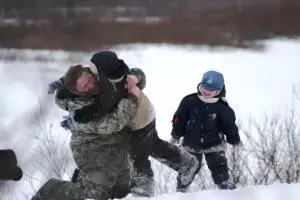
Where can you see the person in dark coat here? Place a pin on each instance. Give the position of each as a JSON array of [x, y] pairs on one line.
[[206, 122], [9, 169]]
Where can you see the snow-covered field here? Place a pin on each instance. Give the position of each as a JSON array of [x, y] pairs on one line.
[[257, 82], [273, 192]]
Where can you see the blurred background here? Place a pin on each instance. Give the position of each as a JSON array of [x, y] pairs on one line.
[[89, 24]]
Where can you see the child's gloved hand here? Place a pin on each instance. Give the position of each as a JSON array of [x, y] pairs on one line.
[[68, 122], [53, 86]]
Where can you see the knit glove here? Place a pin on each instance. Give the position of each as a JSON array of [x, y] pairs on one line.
[[53, 86], [68, 123]]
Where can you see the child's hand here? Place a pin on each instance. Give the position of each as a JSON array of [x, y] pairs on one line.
[[67, 123], [131, 82], [135, 90]]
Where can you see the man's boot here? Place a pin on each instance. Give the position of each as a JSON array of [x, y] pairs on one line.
[[188, 169], [143, 186]]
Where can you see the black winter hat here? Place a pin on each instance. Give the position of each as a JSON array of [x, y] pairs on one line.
[[108, 63]]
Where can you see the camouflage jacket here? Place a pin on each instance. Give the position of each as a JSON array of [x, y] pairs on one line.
[[107, 130]]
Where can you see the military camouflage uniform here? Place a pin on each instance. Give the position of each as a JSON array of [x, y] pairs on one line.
[[145, 140], [100, 149]]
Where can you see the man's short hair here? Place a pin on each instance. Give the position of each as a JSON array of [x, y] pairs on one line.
[[71, 77]]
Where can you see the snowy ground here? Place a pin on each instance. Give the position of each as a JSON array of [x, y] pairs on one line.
[[257, 82], [273, 192]]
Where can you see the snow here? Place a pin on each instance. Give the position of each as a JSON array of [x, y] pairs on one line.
[[257, 82], [273, 192]]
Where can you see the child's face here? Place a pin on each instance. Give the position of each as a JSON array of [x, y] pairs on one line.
[[207, 93]]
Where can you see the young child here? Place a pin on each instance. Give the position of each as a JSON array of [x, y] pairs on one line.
[[206, 122]]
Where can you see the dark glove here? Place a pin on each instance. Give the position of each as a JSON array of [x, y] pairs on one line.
[[53, 86], [68, 122]]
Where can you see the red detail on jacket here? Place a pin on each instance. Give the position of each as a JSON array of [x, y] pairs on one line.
[[175, 120]]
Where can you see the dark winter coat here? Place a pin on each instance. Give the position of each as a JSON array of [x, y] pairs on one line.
[[204, 125]]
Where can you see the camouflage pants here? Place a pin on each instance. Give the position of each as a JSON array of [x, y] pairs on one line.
[[106, 183], [104, 174], [55, 189], [104, 167], [84, 188]]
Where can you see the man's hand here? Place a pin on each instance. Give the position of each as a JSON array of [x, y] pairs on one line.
[[53, 86], [131, 82], [135, 90], [68, 122]]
